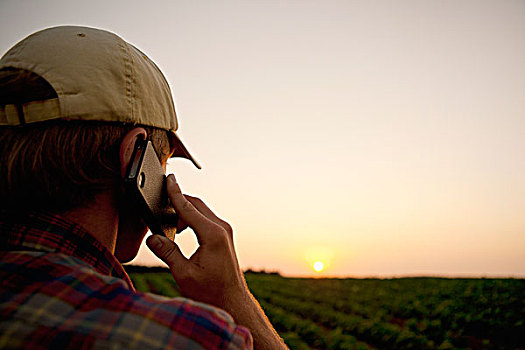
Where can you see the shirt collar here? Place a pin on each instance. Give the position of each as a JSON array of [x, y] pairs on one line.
[[52, 233]]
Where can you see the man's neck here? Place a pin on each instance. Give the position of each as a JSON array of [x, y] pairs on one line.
[[100, 219]]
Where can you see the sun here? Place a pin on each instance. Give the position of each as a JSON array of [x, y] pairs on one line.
[[318, 266]]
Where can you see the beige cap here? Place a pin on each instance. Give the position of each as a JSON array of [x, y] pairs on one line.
[[97, 76]]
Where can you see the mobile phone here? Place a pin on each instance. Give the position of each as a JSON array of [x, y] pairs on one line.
[[145, 184]]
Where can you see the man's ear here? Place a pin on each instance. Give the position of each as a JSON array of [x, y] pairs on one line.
[[127, 146]]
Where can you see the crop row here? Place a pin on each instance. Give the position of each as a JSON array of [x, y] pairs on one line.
[[154, 282], [303, 333], [377, 333], [442, 310]]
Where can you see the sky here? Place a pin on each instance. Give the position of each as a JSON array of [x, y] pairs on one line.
[[382, 138]]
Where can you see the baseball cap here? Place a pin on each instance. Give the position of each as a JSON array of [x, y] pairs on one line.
[[97, 76]]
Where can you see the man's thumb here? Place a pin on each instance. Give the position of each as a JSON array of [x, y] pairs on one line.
[[166, 250]]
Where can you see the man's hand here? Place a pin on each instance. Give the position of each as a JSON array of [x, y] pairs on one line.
[[212, 274]]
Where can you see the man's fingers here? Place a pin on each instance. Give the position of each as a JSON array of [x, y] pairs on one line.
[[167, 251], [187, 211], [203, 208]]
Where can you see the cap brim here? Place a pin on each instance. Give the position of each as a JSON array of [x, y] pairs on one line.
[[181, 151]]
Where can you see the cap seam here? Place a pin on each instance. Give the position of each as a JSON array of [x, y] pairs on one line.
[[127, 77], [133, 77]]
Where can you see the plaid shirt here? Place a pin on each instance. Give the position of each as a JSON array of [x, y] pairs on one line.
[[61, 288]]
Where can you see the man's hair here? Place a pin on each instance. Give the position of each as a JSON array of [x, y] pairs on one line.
[[59, 165]]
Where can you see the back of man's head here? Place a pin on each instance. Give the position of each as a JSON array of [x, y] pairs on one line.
[[68, 96]]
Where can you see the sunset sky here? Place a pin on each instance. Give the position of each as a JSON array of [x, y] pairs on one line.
[[383, 138]]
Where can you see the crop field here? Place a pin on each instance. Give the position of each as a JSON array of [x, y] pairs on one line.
[[401, 313]]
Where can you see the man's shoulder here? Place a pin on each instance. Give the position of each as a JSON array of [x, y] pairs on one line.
[[70, 300]]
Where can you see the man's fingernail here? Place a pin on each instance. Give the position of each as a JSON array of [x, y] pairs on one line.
[[156, 242], [171, 178]]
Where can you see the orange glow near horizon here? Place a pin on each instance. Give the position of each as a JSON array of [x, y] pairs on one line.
[[319, 257]]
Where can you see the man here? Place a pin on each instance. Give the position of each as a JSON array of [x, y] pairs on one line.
[[73, 103]]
